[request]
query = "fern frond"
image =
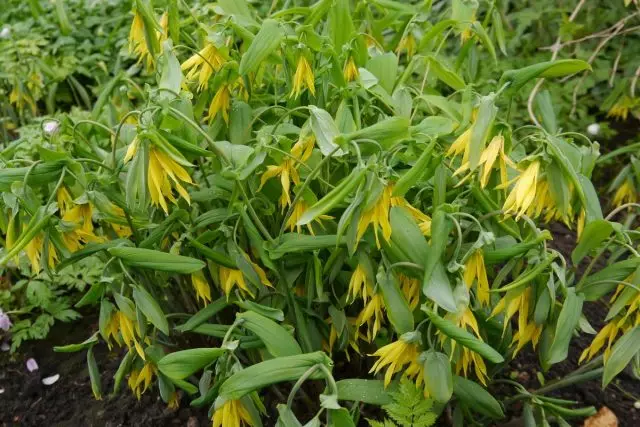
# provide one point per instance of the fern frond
(409, 408)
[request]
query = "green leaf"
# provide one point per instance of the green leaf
(398, 311)
(482, 34)
(367, 391)
(444, 73)
(181, 364)
(151, 309)
(340, 24)
(464, 338)
(593, 290)
(439, 378)
(72, 348)
(272, 371)
(476, 398)
(562, 67)
(294, 242)
(547, 113)
(325, 131)
(385, 68)
(264, 44)
(278, 341)
(157, 260)
(567, 322)
(621, 354)
(592, 236)
(170, 73)
(94, 375)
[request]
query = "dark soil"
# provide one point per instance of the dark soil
(69, 402)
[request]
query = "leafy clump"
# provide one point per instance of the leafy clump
(409, 408)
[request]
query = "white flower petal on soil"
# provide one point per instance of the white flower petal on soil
(32, 365)
(51, 380)
(1, 390)
(5, 346)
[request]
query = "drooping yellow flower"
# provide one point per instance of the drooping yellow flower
(287, 170)
(519, 301)
(493, 152)
(139, 381)
(124, 330)
(220, 103)
(298, 210)
(354, 337)
(467, 32)
(411, 288)
(303, 77)
(21, 99)
(350, 70)
(461, 146)
(394, 357)
(359, 285)
(138, 43)
(232, 414)
(423, 220)
(474, 269)
(606, 335)
(34, 253)
(231, 277)
(80, 216)
(174, 401)
(161, 168)
(626, 193)
(378, 216)
(620, 110)
(203, 64)
(288, 174)
(467, 358)
(524, 191)
(372, 315)
(121, 230)
(200, 285)
(65, 201)
(408, 44)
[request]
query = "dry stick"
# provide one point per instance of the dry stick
(603, 33)
(634, 82)
(556, 49)
(590, 61)
(614, 71)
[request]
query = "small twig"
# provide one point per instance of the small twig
(556, 50)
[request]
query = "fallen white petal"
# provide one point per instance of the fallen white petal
(1, 390)
(5, 347)
(51, 380)
(32, 365)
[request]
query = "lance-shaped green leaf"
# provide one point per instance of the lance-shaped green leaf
(72, 348)
(157, 260)
(387, 132)
(264, 44)
(439, 378)
(409, 178)
(567, 322)
(476, 398)
(325, 130)
(333, 197)
(435, 282)
(444, 73)
(482, 34)
(295, 242)
(623, 351)
(151, 309)
(181, 364)
(372, 392)
(94, 375)
(591, 237)
(278, 341)
(593, 287)
(563, 67)
(398, 311)
(464, 338)
(272, 371)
